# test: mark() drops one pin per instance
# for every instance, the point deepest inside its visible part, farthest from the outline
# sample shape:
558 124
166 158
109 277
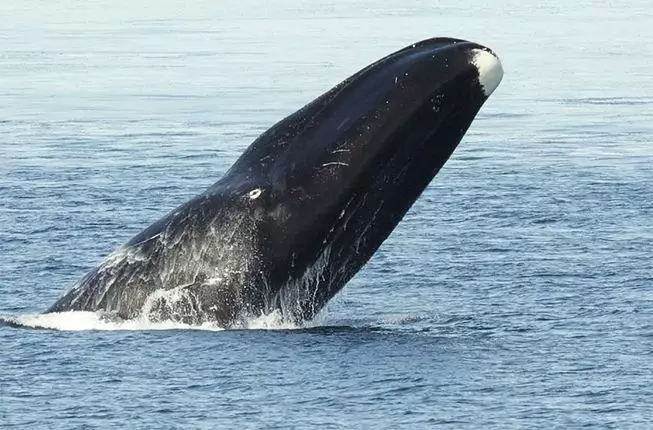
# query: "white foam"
490 71
81 321
271 321
88 321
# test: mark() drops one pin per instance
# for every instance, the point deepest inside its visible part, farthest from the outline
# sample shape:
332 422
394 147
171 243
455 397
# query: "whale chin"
490 70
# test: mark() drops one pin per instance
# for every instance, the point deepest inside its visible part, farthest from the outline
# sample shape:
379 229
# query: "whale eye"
255 193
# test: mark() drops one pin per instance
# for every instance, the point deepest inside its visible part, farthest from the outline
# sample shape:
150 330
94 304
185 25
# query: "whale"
307 204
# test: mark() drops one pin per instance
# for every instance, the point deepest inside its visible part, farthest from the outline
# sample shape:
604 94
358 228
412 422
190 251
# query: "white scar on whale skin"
490 71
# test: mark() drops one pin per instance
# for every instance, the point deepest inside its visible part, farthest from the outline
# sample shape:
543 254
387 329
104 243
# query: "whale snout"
490 71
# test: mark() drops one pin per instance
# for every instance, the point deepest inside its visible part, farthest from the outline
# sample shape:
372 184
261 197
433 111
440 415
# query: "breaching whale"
308 203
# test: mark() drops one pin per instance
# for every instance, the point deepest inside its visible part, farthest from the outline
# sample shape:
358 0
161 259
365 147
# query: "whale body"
307 204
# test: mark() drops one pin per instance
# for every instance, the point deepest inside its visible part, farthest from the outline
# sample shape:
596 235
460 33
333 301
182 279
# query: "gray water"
517 293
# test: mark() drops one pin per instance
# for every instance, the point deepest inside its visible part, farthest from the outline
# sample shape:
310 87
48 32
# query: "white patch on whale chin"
490 71
255 193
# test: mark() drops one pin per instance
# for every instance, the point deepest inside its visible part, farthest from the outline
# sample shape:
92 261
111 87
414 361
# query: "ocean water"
517 293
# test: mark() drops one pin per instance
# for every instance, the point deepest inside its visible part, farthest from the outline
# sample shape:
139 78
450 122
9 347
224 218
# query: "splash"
102 321
271 321
83 321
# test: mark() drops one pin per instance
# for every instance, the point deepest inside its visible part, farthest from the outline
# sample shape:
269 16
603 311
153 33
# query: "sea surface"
517 293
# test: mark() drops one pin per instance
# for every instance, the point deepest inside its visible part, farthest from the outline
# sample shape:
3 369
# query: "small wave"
404 319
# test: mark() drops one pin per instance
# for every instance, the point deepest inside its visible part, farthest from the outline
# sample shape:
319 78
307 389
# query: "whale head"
328 184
